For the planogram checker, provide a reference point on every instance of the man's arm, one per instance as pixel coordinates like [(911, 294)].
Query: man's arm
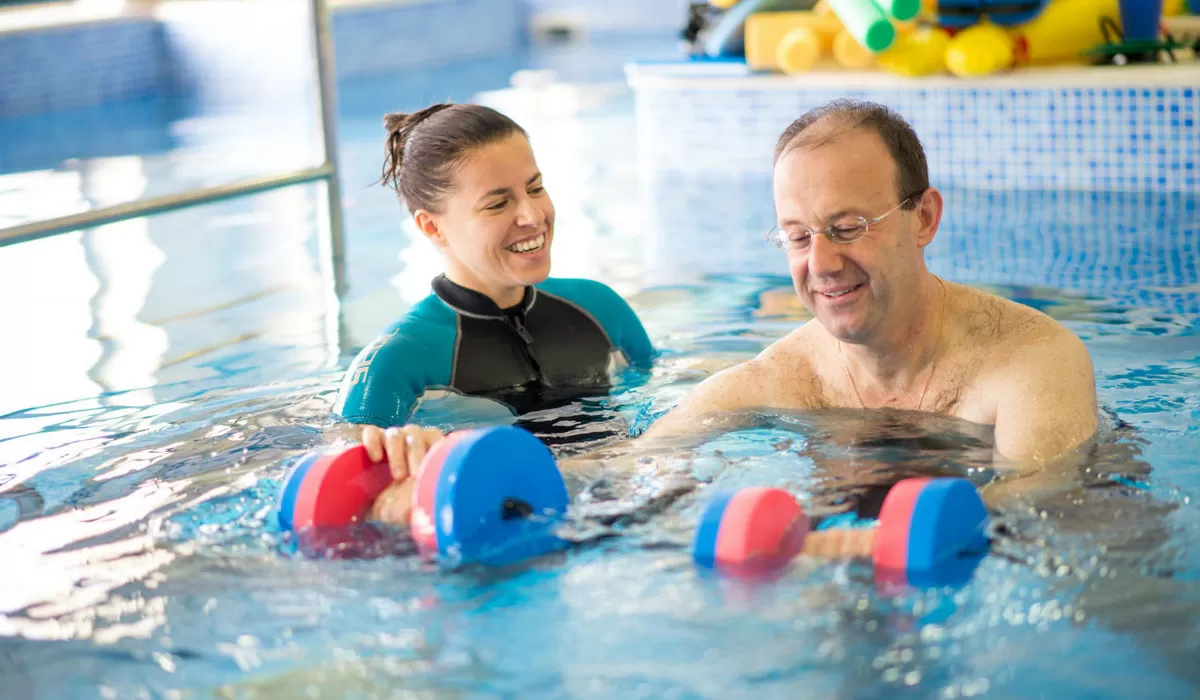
[(1046, 416), (719, 404), (1047, 407), (706, 408), (780, 377)]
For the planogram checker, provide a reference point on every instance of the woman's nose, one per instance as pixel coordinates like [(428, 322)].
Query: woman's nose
[(529, 213)]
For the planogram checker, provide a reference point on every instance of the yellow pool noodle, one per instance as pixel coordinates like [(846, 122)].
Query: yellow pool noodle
[(916, 53), (1064, 30), (765, 31), (851, 54)]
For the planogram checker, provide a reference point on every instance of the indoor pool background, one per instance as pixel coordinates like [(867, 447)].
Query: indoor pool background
[(165, 371)]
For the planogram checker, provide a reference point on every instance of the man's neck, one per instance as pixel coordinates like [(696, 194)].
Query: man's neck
[(897, 364)]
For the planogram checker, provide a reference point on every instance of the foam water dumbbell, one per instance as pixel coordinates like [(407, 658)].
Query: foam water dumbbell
[(489, 496), (929, 532)]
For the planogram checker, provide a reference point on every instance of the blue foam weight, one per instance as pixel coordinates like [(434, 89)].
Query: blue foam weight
[(291, 489), (704, 550), (751, 532), (485, 471), (954, 572), (947, 523)]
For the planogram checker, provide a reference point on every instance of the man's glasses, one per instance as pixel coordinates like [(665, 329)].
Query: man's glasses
[(845, 230)]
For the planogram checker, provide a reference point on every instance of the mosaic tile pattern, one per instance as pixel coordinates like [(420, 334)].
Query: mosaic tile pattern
[(985, 134)]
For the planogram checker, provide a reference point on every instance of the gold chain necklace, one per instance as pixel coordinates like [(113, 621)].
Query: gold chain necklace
[(932, 364)]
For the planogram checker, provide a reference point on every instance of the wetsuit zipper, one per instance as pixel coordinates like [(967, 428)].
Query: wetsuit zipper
[(516, 323)]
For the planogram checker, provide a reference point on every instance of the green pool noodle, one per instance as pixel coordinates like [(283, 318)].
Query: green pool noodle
[(900, 10), (866, 22)]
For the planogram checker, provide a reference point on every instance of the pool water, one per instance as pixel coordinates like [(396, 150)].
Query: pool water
[(176, 366)]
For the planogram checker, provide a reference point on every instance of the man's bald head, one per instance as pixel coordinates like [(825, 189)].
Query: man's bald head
[(825, 124)]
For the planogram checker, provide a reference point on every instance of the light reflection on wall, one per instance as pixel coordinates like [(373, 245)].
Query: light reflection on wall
[(420, 261), (39, 194), (241, 271), (706, 225), (123, 307), (123, 259), (47, 356)]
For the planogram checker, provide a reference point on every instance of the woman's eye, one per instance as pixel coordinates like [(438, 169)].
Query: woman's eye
[(495, 206), (537, 190)]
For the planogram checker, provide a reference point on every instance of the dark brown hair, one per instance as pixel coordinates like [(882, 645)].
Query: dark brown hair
[(425, 147), (912, 170)]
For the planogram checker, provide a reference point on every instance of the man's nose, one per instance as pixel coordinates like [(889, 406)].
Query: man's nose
[(824, 256)]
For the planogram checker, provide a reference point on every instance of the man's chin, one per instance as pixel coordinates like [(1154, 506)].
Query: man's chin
[(844, 330)]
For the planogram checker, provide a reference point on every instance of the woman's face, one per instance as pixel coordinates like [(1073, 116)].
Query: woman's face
[(496, 225)]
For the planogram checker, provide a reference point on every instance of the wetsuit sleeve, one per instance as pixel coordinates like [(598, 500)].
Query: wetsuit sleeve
[(614, 314), (382, 385)]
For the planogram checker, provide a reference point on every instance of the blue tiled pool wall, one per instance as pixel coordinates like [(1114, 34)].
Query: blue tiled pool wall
[(1111, 137), (230, 50), (61, 68), (1129, 249)]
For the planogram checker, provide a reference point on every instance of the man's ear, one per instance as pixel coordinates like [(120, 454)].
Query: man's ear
[(929, 216), (428, 225)]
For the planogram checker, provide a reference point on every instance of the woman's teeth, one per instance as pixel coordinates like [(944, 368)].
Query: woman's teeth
[(528, 246)]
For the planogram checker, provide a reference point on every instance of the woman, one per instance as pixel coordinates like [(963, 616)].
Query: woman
[(495, 324)]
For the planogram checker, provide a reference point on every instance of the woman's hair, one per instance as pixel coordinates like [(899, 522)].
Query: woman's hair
[(425, 147)]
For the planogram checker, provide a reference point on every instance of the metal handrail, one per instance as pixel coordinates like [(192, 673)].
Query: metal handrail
[(327, 171), (155, 205)]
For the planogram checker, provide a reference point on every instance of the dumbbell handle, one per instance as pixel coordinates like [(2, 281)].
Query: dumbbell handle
[(843, 543)]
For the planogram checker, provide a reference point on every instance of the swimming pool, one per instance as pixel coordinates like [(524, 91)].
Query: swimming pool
[(177, 364)]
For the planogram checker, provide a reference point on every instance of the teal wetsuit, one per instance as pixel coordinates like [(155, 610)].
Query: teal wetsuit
[(560, 343)]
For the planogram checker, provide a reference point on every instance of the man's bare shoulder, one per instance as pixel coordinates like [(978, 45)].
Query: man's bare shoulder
[(1014, 336), (787, 368), (999, 349), (1039, 381)]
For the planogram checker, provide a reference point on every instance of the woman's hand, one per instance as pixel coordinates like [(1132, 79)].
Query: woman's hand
[(404, 448)]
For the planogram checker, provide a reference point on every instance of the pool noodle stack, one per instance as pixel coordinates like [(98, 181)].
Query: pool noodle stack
[(870, 22)]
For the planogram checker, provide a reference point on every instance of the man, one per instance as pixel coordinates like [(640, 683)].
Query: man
[(855, 213)]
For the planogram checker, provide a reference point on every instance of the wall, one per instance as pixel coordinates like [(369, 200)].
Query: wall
[(228, 53)]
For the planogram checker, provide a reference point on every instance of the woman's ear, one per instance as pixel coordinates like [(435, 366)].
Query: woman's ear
[(428, 225)]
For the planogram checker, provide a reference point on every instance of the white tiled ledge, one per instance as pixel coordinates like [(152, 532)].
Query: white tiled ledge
[(715, 75)]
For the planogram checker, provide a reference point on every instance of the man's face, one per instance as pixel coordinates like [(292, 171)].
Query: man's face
[(854, 289)]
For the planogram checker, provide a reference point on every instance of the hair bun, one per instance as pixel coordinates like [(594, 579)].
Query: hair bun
[(395, 120), (400, 121), (422, 146)]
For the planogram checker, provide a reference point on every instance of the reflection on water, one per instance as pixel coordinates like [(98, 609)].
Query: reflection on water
[(150, 560)]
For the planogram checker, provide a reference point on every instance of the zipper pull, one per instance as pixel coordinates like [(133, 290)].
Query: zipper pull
[(521, 330)]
